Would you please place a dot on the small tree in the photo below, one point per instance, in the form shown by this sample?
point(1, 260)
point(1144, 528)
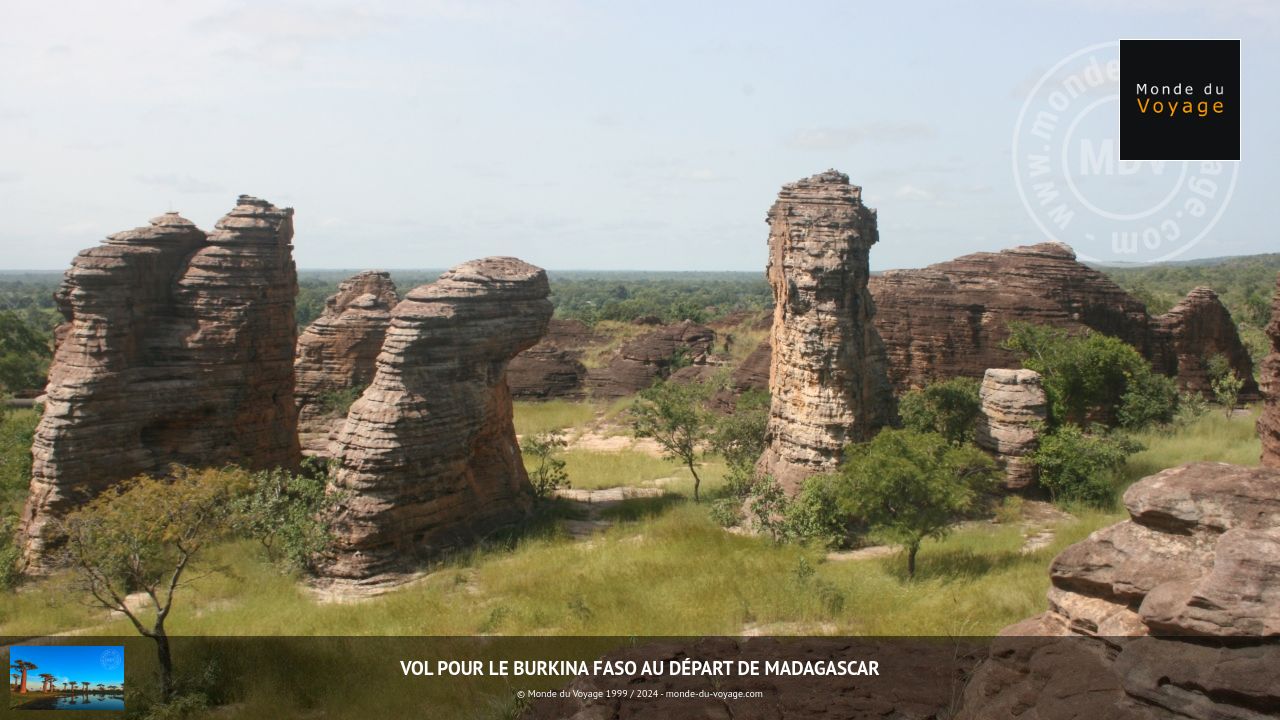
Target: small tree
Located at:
point(1080, 467)
point(142, 535)
point(739, 438)
point(675, 416)
point(909, 485)
point(947, 407)
point(548, 472)
point(1224, 382)
point(23, 667)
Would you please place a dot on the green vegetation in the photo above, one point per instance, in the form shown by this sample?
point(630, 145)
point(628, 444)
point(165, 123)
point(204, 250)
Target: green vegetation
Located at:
point(337, 403)
point(546, 470)
point(285, 511)
point(552, 415)
point(1076, 466)
point(739, 438)
point(676, 417)
point(669, 297)
point(908, 486)
point(25, 352)
point(947, 407)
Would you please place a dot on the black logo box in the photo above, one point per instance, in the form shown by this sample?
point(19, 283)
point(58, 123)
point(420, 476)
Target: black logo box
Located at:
point(1187, 68)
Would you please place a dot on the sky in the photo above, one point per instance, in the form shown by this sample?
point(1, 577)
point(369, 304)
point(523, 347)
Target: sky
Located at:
point(575, 135)
point(82, 663)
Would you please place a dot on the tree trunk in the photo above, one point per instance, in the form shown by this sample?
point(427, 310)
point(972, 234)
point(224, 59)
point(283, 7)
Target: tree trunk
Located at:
point(22, 684)
point(911, 560)
point(166, 663)
point(697, 482)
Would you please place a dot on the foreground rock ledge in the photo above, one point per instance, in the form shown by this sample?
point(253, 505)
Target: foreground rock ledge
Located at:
point(177, 348)
point(428, 455)
point(827, 379)
point(1178, 609)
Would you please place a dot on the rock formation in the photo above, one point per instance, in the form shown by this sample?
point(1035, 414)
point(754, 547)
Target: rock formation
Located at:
point(336, 354)
point(950, 319)
point(827, 379)
point(1013, 409)
point(1269, 423)
point(177, 348)
point(553, 368)
point(1174, 613)
point(1190, 334)
point(651, 357)
point(427, 457)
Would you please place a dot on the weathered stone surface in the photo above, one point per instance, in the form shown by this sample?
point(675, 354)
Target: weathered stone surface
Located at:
point(336, 353)
point(950, 319)
point(1197, 564)
point(177, 348)
point(652, 356)
point(1013, 410)
point(827, 378)
point(428, 457)
point(1269, 422)
point(553, 367)
point(1193, 331)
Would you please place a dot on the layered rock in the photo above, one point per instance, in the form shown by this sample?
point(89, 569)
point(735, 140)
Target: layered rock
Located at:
point(650, 357)
point(553, 368)
point(1269, 422)
point(827, 377)
point(1011, 416)
point(427, 457)
point(1172, 613)
point(1193, 332)
point(336, 354)
point(177, 347)
point(952, 318)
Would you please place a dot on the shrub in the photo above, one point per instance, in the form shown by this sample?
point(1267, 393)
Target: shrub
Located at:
point(337, 403)
point(1079, 466)
point(10, 552)
point(1224, 382)
point(548, 472)
point(286, 512)
point(908, 486)
point(1093, 377)
point(947, 407)
point(814, 515)
point(676, 417)
point(739, 438)
point(726, 512)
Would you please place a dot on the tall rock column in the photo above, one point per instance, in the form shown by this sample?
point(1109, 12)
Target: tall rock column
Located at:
point(827, 378)
point(427, 457)
point(1269, 423)
point(177, 347)
point(1013, 410)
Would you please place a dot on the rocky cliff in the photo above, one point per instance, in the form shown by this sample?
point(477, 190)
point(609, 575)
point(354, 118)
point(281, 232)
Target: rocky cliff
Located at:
point(1174, 613)
point(1193, 332)
point(427, 457)
point(1269, 423)
point(336, 354)
point(553, 368)
point(1013, 411)
point(650, 357)
point(177, 347)
point(827, 379)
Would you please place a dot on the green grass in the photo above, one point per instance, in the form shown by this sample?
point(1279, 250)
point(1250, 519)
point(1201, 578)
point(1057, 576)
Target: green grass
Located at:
point(536, 417)
point(1210, 437)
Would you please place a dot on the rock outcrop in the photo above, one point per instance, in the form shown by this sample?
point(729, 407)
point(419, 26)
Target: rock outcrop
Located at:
point(1269, 422)
point(1193, 332)
point(950, 319)
point(336, 354)
point(827, 379)
point(427, 457)
point(177, 348)
point(1174, 613)
point(650, 357)
point(553, 368)
point(1013, 411)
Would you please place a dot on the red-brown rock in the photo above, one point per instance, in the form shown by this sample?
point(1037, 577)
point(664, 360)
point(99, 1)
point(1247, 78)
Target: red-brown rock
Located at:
point(1269, 422)
point(177, 348)
point(427, 458)
point(650, 357)
point(1190, 334)
point(553, 368)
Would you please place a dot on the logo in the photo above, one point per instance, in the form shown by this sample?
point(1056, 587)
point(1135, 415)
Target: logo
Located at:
point(1078, 190)
point(111, 658)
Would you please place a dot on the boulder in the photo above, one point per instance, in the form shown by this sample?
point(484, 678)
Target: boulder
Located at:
point(177, 347)
point(1188, 336)
point(553, 368)
point(427, 458)
point(1013, 412)
point(1174, 613)
point(337, 352)
point(827, 379)
point(650, 357)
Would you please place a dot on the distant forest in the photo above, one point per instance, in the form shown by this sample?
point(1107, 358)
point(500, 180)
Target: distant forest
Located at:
point(1246, 283)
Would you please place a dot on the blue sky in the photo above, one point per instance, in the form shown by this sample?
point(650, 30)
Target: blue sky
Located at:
point(598, 135)
point(81, 663)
